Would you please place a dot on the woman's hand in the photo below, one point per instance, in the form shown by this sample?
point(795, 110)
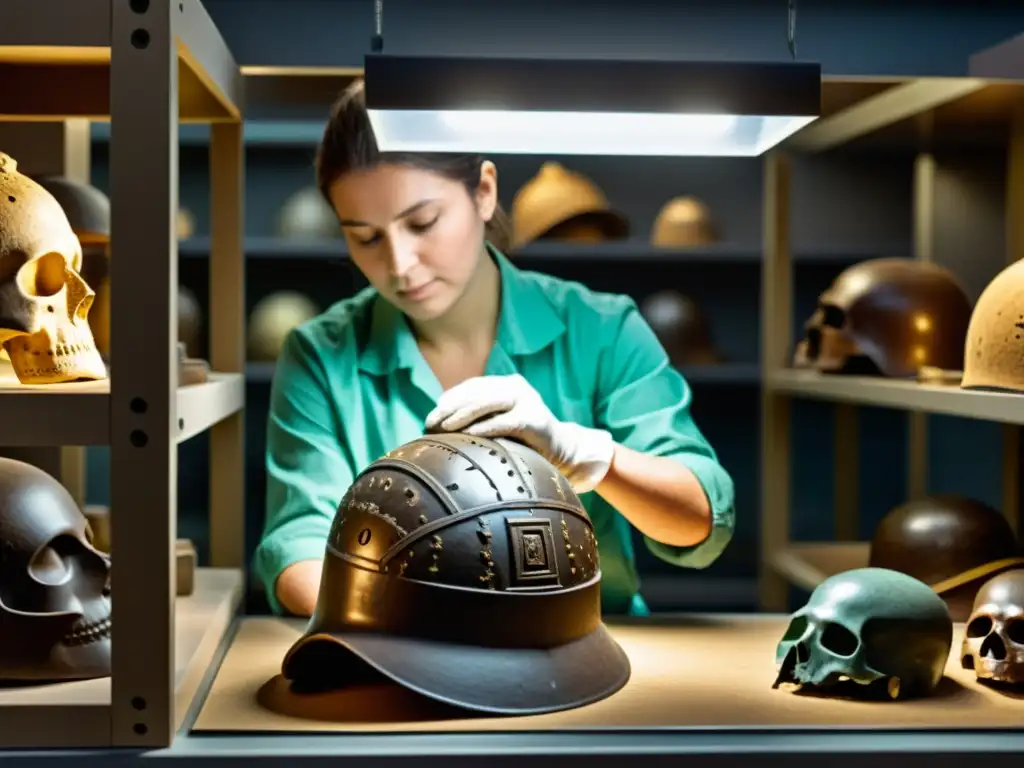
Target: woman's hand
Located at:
point(507, 406)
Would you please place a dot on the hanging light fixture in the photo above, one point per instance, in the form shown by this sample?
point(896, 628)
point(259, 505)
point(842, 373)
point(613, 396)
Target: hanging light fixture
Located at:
point(586, 106)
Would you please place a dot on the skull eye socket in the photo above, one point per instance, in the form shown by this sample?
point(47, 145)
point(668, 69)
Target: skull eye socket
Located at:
point(43, 276)
point(980, 626)
point(796, 629)
point(1015, 631)
point(832, 316)
point(839, 640)
point(50, 564)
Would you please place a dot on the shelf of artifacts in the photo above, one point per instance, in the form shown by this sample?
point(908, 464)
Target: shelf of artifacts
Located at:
point(55, 58)
point(78, 413)
point(927, 116)
point(102, 60)
point(284, 248)
point(77, 713)
point(666, 688)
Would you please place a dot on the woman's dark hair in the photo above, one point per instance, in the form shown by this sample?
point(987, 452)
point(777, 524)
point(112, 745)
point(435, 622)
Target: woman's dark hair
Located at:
point(348, 144)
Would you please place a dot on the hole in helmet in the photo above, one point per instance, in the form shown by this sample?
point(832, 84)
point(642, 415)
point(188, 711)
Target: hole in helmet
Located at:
point(979, 627)
point(839, 640)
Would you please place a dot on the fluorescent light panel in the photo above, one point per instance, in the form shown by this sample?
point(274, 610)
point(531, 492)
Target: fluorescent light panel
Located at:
point(592, 107)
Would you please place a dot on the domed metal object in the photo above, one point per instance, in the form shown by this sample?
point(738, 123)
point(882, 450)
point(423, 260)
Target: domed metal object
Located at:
point(682, 327)
point(559, 204)
point(272, 319)
point(307, 216)
point(87, 208)
point(465, 569)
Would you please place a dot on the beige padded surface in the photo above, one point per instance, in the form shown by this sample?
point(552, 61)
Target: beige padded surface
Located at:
point(704, 671)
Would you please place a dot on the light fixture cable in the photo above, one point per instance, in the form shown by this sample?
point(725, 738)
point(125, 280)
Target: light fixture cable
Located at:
point(791, 29)
point(377, 41)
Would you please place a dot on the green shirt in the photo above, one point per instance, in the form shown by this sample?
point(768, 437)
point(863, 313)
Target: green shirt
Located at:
point(351, 385)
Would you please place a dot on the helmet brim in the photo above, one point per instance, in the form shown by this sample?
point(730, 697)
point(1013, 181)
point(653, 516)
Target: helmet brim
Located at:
point(503, 681)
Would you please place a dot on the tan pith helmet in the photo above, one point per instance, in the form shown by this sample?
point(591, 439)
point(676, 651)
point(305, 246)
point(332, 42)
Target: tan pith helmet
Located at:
point(683, 221)
point(994, 352)
point(565, 205)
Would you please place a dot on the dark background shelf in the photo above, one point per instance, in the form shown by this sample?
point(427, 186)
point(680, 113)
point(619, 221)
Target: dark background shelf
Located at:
point(845, 207)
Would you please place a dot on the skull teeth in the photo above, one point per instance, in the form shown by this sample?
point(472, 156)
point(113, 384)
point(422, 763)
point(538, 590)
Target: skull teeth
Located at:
point(88, 633)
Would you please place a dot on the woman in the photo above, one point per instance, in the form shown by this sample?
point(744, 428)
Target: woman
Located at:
point(451, 336)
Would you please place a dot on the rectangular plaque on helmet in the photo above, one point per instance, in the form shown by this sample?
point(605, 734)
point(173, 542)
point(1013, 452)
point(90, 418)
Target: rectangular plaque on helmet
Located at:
point(533, 553)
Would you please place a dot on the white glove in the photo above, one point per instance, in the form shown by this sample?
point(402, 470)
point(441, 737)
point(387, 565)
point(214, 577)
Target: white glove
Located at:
point(507, 406)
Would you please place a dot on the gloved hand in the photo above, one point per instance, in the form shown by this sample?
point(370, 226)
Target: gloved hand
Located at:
point(507, 406)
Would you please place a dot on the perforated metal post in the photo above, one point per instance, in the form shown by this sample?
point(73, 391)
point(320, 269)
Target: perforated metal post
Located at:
point(143, 449)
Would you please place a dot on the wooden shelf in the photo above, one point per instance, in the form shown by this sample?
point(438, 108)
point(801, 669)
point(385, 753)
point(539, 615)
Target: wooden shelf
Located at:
point(79, 413)
point(1002, 407)
point(281, 248)
point(55, 62)
point(807, 565)
point(929, 113)
point(69, 715)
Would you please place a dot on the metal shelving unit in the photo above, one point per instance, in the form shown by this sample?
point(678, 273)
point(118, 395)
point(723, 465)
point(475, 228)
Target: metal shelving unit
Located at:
point(928, 116)
point(146, 66)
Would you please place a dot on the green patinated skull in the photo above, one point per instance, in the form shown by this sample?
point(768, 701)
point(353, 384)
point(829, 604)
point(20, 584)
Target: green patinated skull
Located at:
point(871, 626)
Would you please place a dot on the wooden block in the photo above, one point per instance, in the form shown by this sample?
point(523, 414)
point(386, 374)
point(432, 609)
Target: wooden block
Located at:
point(185, 553)
point(99, 521)
point(186, 557)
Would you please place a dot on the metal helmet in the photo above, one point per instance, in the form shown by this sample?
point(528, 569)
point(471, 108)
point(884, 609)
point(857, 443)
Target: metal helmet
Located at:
point(87, 208)
point(307, 216)
point(559, 204)
point(993, 356)
point(683, 222)
point(272, 319)
point(949, 542)
point(888, 317)
point(682, 327)
point(465, 569)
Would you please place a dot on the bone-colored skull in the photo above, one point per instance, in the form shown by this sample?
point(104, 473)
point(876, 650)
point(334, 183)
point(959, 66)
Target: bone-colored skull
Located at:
point(44, 302)
point(994, 641)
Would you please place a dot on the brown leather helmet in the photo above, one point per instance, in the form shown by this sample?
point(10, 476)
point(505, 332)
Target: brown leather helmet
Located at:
point(464, 569)
point(949, 542)
point(682, 327)
point(559, 204)
point(683, 222)
point(992, 357)
point(888, 317)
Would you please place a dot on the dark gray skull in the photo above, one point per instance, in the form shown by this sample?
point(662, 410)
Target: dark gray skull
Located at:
point(54, 585)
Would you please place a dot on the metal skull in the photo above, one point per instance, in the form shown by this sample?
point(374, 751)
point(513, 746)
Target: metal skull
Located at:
point(870, 626)
point(44, 302)
point(994, 640)
point(54, 585)
point(887, 317)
